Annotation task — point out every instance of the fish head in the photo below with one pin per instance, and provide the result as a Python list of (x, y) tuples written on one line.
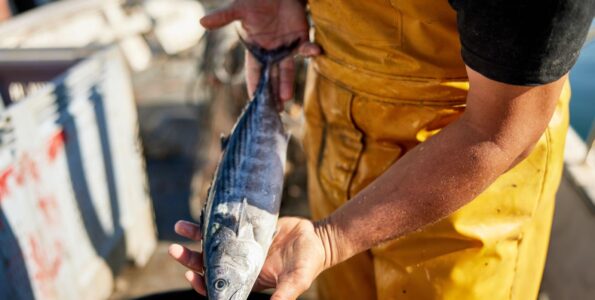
[(232, 264)]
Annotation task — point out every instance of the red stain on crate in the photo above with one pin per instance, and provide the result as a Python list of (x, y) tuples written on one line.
[(3, 191), (20, 176), (56, 144), (46, 269), (48, 206), (4, 182), (28, 169)]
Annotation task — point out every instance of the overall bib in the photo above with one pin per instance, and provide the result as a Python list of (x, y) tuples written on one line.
[(391, 76)]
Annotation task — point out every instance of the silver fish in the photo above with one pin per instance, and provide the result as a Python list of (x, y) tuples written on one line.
[(240, 215)]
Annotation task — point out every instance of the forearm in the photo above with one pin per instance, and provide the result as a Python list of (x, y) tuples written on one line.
[(427, 184), (499, 127)]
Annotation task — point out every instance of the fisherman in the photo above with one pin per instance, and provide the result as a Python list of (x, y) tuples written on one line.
[(434, 135)]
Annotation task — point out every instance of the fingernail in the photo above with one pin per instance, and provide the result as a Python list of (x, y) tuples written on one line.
[(175, 250), (189, 275), (183, 227)]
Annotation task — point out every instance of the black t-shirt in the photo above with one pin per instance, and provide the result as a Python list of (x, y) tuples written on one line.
[(523, 42)]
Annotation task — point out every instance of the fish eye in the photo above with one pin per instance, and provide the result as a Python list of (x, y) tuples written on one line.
[(220, 284)]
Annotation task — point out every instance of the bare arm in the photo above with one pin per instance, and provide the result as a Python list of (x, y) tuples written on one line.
[(500, 126), (498, 129)]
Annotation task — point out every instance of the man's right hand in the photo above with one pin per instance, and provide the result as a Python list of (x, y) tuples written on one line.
[(269, 24), (297, 255)]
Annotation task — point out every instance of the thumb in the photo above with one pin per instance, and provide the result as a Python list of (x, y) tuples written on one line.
[(221, 17), (289, 289)]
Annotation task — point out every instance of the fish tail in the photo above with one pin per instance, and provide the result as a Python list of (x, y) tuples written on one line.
[(273, 56)]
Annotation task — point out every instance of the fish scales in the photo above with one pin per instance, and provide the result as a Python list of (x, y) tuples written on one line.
[(240, 215)]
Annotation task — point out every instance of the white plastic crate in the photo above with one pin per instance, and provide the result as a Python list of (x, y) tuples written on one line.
[(73, 191)]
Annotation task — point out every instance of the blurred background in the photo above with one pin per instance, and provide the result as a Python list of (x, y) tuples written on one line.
[(110, 125)]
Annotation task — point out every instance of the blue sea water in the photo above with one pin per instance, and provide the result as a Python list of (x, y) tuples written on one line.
[(582, 78)]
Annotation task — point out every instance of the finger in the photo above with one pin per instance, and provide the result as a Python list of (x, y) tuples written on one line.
[(188, 258), (252, 73), (289, 290), (188, 230), (287, 76), (197, 282), (221, 17), (309, 49)]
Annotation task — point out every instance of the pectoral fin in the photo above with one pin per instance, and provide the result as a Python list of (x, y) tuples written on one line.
[(244, 229)]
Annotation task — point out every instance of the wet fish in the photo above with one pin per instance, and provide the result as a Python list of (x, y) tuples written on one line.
[(240, 215)]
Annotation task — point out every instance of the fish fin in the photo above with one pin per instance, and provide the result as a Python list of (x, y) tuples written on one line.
[(244, 228), (201, 219), (270, 57), (203, 213), (224, 141), (246, 232), (242, 214), (201, 223)]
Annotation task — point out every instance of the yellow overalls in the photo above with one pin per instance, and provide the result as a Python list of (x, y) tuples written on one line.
[(391, 76)]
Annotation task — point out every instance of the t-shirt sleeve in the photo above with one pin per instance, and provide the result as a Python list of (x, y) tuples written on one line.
[(522, 42)]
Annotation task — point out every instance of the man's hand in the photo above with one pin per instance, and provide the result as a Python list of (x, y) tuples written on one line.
[(295, 258), (270, 24)]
